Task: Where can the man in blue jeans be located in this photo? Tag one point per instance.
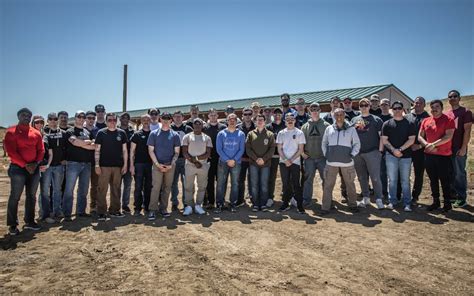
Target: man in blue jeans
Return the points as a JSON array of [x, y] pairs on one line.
[[25, 148], [79, 148], [230, 145], [398, 134], [127, 178], [53, 176]]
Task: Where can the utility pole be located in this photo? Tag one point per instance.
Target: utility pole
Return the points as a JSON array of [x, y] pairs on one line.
[[124, 104]]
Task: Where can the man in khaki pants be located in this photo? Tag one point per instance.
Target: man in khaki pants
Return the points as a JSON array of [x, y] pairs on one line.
[[196, 150], [163, 147], [110, 153]]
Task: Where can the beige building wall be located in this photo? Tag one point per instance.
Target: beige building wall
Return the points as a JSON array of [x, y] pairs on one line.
[[395, 95]]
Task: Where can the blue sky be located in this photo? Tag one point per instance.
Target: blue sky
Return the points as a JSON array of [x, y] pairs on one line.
[[69, 54]]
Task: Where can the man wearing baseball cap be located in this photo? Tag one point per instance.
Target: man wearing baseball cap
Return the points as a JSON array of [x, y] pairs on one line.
[[335, 103], [350, 113], [100, 110], [375, 105]]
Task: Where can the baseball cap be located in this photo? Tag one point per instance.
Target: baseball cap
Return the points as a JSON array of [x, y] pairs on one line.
[[99, 108], [166, 116], [374, 97]]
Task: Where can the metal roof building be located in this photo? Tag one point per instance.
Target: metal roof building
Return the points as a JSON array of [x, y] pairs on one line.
[[389, 91]]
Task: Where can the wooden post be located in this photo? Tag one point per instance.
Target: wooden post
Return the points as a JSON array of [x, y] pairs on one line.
[[124, 104]]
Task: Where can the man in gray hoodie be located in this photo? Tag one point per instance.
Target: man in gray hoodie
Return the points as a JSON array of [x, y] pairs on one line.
[[340, 145], [313, 155]]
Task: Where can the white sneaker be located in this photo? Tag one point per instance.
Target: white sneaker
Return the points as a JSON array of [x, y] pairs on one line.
[[198, 209], [407, 209], [379, 204], [269, 203], [49, 220], [188, 210], [360, 204], [389, 206], [366, 200], [293, 202]]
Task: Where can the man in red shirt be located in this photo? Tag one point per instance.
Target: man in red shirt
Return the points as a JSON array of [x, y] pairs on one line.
[[436, 133], [24, 146]]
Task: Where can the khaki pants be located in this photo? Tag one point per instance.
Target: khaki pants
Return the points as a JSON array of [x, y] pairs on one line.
[[93, 190], [162, 182], [330, 176], [109, 176], [192, 173]]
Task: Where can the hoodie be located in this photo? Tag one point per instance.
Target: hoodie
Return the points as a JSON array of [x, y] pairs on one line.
[[340, 145]]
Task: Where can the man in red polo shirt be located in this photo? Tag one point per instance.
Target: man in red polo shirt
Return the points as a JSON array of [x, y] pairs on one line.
[[436, 133], [24, 146]]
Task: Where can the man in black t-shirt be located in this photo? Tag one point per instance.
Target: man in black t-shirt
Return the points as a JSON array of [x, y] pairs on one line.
[[127, 178], [182, 129], [350, 113], [386, 116], [79, 143], [140, 166], [398, 134], [110, 164], [100, 112], [375, 105], [55, 139], [246, 126], [212, 128], [301, 116], [275, 127]]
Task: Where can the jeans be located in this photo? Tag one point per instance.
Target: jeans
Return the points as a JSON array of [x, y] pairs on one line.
[[398, 167], [244, 169], [52, 176], [223, 172], [459, 176], [418, 159], [20, 179], [142, 186], [310, 167], [127, 188], [75, 171], [179, 173], [259, 189], [368, 165], [273, 176], [210, 197], [290, 179], [436, 168]]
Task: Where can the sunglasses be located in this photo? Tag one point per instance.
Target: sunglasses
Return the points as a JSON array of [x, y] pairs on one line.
[[81, 116], [453, 96], [397, 108], [247, 114], [197, 123], [53, 119], [347, 102], [384, 104], [315, 110], [363, 105], [154, 114], [39, 122], [166, 118], [111, 120], [90, 118]]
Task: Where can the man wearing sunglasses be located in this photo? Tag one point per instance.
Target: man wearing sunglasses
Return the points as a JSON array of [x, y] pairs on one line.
[[275, 127], [90, 126], [196, 149], [398, 134], [246, 126], [163, 146], [462, 135], [127, 177], [350, 113], [111, 156], [335, 103], [100, 111], [385, 116], [155, 118], [79, 144], [418, 155], [375, 105], [53, 176], [285, 106], [367, 162], [24, 145], [301, 116]]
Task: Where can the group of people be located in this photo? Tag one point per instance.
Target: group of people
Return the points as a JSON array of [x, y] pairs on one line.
[[101, 152]]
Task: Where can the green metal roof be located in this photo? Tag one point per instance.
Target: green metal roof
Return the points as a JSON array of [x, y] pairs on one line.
[[273, 101]]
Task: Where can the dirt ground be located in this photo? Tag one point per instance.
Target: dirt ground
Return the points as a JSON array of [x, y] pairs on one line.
[[371, 252]]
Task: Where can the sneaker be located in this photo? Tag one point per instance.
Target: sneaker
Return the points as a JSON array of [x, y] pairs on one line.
[[269, 203], [49, 220], [233, 209], [460, 203], [102, 217], [13, 230], [301, 211], [433, 206], [67, 219], [407, 209], [165, 214], [32, 226], [137, 213], [354, 210], [188, 210], [93, 211], [174, 208], [389, 206], [293, 202], [151, 216], [379, 204], [218, 209], [84, 215], [210, 207], [126, 209], [366, 200], [284, 207], [240, 204], [199, 210], [323, 212], [306, 204], [264, 208], [360, 204], [255, 209], [117, 215], [447, 208]]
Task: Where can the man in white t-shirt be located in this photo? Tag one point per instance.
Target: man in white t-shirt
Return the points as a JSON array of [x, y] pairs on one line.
[[290, 142], [196, 150]]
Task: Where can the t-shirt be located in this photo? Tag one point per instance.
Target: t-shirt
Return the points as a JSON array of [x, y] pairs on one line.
[[212, 131], [129, 132], [351, 114], [154, 126], [100, 125], [329, 118], [435, 129], [246, 131], [398, 132], [301, 119], [74, 153], [56, 140], [386, 117], [416, 119], [275, 129], [460, 116], [290, 140], [368, 129], [182, 130], [164, 143], [140, 138], [197, 145], [376, 112], [111, 142]]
